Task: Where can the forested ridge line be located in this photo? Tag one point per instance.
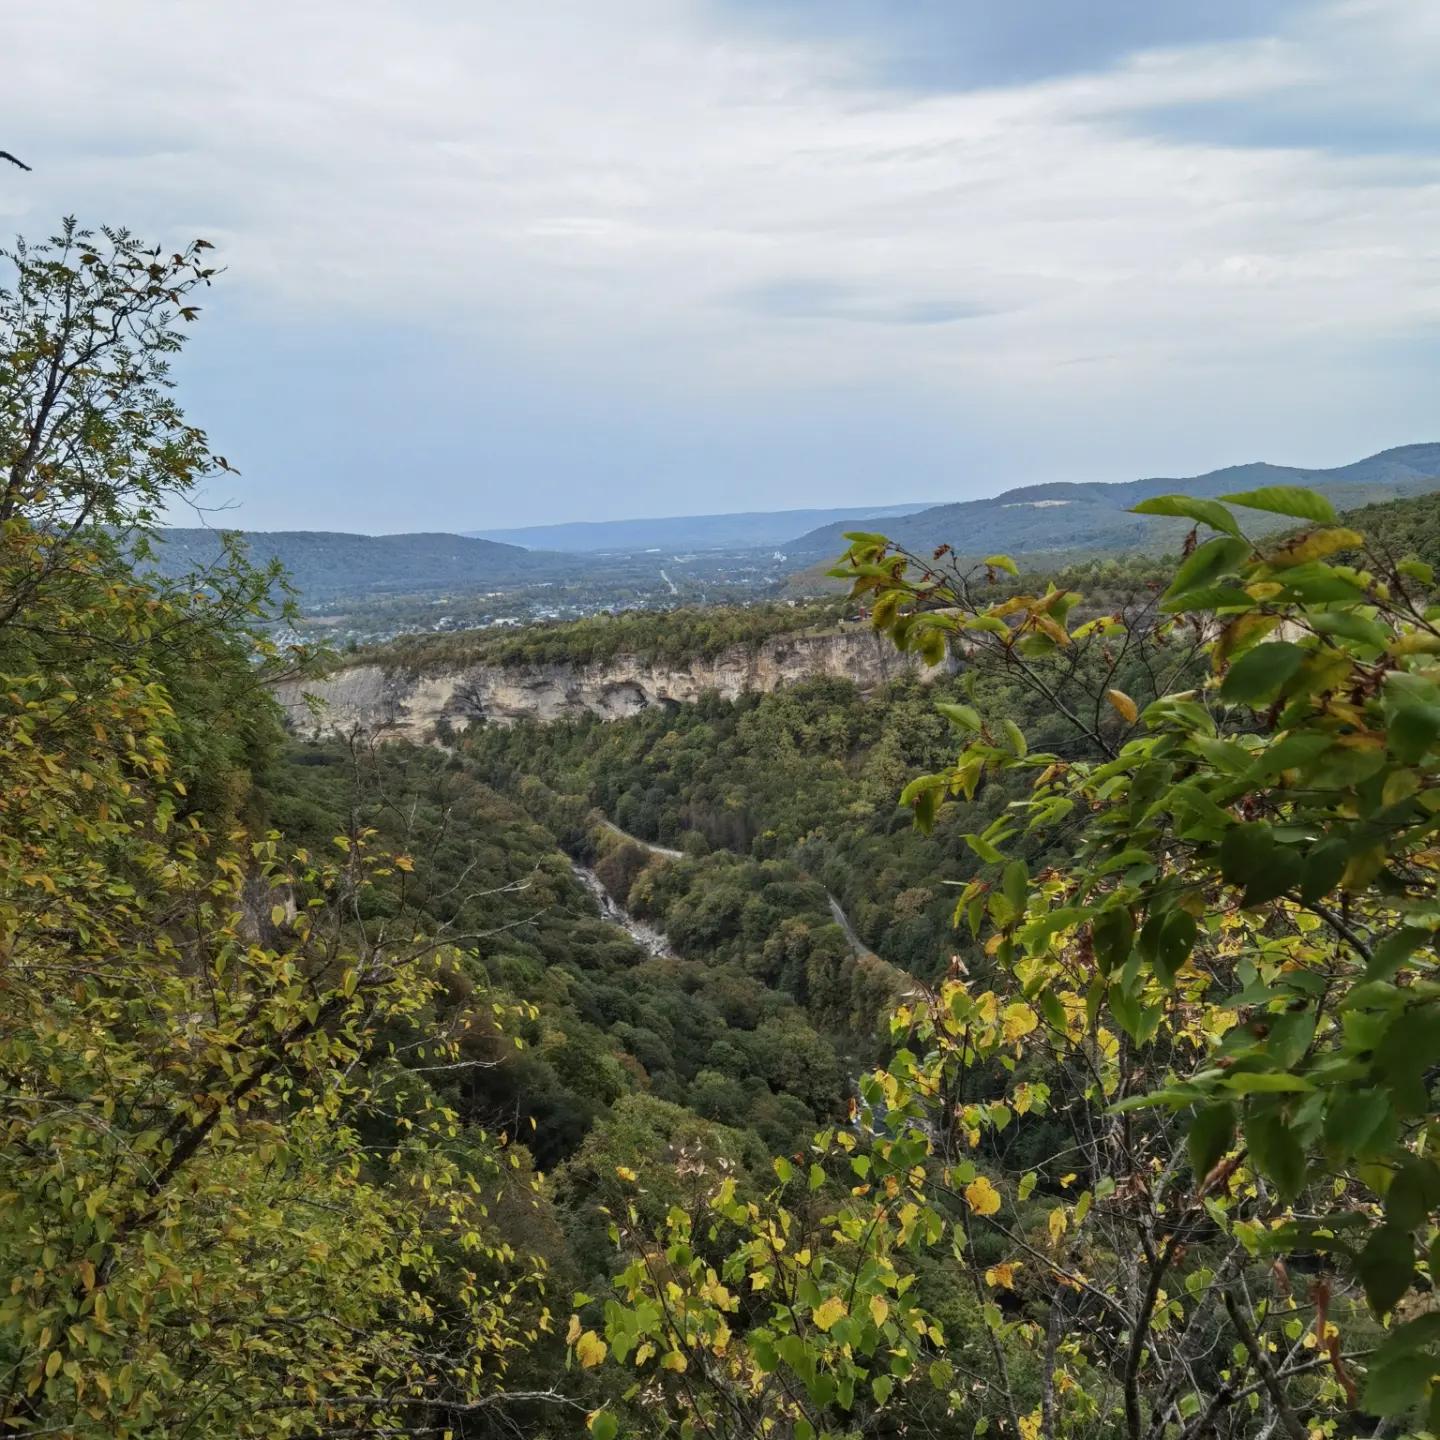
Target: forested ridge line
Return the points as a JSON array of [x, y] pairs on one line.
[[653, 636]]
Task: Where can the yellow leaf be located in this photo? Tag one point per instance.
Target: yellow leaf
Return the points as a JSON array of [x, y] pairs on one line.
[[1019, 1020], [1315, 546], [674, 1361], [982, 1197], [1057, 1223], [879, 1309], [1002, 1275], [626, 1173], [1124, 704], [573, 1333], [590, 1350], [828, 1312], [1054, 630]]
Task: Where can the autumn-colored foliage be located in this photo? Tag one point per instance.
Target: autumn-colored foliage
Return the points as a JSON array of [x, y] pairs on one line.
[[222, 1209], [1228, 995]]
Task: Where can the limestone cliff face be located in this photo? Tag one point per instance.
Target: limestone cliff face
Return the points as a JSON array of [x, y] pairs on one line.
[[408, 705]]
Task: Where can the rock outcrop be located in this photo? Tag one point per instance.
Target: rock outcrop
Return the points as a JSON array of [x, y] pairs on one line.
[[409, 704]]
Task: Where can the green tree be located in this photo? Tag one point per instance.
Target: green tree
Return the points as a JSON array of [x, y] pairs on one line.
[[229, 1203]]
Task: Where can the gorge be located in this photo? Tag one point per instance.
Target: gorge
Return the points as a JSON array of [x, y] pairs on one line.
[[409, 702]]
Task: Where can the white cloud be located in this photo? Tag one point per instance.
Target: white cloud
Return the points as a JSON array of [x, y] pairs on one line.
[[618, 186]]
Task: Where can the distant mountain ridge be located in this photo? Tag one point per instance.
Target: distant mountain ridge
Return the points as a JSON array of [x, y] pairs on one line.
[[327, 564], [1043, 523], [741, 530], [1063, 517]]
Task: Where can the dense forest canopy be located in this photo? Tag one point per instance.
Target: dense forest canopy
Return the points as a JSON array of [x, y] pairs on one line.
[[675, 635], [1049, 1052]]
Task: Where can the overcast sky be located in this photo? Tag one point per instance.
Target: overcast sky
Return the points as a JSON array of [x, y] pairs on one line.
[[498, 263]]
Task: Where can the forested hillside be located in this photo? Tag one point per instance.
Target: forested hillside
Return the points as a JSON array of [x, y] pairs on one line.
[[1049, 523], [325, 566], [1048, 1053], [672, 635]]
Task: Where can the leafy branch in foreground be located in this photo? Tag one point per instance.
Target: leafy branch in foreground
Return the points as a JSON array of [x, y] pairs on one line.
[[1227, 998]]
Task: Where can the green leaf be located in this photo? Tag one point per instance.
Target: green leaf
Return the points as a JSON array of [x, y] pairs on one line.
[[1244, 850], [1284, 870], [1207, 563], [603, 1425], [1412, 730], [1016, 884], [1266, 1082], [1322, 870], [1166, 941], [1286, 500], [1406, 1339], [1113, 935], [1039, 930], [1386, 1266], [1053, 1010], [1406, 1054], [1126, 1010], [1002, 562], [1276, 1151], [964, 717], [1357, 1120], [1393, 951], [1413, 1193], [1212, 1133], [1209, 597], [1350, 626], [1399, 1386], [1319, 584], [923, 795], [1210, 512], [1260, 674]]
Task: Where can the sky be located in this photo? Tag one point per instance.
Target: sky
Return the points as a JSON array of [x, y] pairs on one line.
[[494, 264]]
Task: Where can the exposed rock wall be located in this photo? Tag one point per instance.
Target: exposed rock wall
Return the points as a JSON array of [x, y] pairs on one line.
[[408, 705]]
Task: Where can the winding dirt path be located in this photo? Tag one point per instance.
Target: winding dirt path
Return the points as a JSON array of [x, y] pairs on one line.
[[649, 845], [860, 949]]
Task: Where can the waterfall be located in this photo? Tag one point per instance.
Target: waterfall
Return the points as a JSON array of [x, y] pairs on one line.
[[645, 936]]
